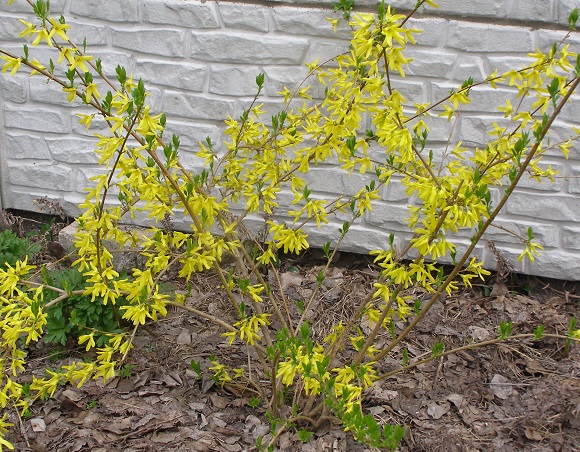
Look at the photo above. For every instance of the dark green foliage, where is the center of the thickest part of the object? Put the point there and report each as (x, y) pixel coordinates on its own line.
(14, 248)
(76, 314)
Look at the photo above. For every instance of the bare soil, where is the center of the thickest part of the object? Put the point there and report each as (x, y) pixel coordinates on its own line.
(516, 396)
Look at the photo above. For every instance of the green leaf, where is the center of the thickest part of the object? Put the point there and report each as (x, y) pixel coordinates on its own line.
(304, 435)
(345, 6)
(437, 349)
(505, 329)
(196, 366)
(351, 144)
(554, 90)
(382, 10)
(320, 277)
(540, 127)
(305, 330)
(417, 307)
(260, 80)
(41, 9)
(121, 75)
(572, 326)
(466, 85)
(300, 306)
(326, 250)
(573, 19)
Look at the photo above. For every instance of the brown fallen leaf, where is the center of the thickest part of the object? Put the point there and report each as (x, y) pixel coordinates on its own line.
(74, 396)
(290, 279)
(184, 337)
(170, 381)
(37, 424)
(500, 387)
(119, 427)
(533, 434)
(218, 402)
(436, 411)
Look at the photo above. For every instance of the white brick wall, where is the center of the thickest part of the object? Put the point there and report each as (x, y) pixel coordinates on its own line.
(200, 58)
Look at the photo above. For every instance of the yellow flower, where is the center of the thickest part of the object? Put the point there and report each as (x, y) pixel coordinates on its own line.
(79, 61)
(89, 339)
(268, 256)
(530, 251)
(149, 124)
(40, 35)
(117, 122)
(69, 54)
(137, 314)
(220, 373)
(334, 22)
(39, 67)
(86, 119)
(286, 370)
(59, 29)
(91, 90)
(291, 240)
(28, 31)
(254, 292)
(72, 93)
(11, 63)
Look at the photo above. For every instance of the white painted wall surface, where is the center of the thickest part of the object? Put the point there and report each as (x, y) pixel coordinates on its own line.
(200, 59)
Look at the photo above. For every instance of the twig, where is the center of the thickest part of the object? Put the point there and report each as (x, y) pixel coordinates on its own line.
(22, 428)
(146, 429)
(470, 347)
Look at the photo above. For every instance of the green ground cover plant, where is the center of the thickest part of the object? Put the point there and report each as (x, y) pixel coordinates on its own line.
(73, 315)
(14, 248)
(301, 379)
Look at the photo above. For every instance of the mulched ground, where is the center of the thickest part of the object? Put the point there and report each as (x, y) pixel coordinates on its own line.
(516, 396)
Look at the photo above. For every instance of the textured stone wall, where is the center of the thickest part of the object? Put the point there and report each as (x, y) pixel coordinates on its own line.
(200, 59)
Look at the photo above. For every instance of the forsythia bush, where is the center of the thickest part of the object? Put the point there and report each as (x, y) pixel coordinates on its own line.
(262, 159)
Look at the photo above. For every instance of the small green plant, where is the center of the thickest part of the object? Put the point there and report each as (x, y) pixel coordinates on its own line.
(74, 314)
(505, 329)
(304, 435)
(91, 404)
(126, 370)
(196, 367)
(14, 248)
(437, 349)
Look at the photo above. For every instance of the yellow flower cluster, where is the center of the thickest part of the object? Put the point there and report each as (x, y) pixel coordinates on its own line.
(302, 361)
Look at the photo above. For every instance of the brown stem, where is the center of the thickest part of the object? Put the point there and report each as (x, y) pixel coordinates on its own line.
(469, 347)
